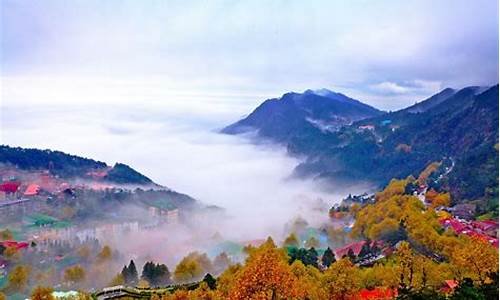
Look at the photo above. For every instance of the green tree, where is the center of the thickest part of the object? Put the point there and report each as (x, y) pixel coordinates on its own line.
(210, 281)
(328, 258)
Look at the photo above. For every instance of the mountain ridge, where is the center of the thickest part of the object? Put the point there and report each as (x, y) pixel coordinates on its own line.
(452, 123)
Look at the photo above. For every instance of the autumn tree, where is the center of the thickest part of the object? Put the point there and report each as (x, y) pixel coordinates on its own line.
(291, 241)
(308, 281)
(438, 199)
(18, 278)
(395, 187)
(75, 274)
(117, 280)
(105, 254)
(312, 242)
(266, 275)
(225, 281)
(42, 293)
(221, 262)
(476, 259)
(6, 234)
(431, 168)
(341, 280)
(2, 296)
(188, 270)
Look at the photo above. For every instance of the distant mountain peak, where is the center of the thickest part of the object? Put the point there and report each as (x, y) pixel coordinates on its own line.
(302, 113)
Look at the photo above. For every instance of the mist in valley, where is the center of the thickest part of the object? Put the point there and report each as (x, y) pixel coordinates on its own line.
(174, 140)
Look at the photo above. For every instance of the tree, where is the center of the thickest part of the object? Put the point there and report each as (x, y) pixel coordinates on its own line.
(328, 258)
(350, 255)
(130, 275)
(312, 242)
(188, 270)
(476, 259)
(342, 279)
(292, 241)
(117, 280)
(156, 275)
(311, 257)
(266, 275)
(105, 254)
(74, 274)
(6, 234)
(365, 249)
(2, 296)
(210, 281)
(42, 293)
(18, 278)
(221, 262)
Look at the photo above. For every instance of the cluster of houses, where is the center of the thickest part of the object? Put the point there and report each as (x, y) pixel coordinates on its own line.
(169, 216)
(486, 230)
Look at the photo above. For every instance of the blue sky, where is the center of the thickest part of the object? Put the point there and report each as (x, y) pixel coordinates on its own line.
(386, 53)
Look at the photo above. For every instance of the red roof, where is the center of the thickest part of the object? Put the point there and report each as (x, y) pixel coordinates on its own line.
(461, 228)
(10, 187)
(485, 225)
(356, 248)
(14, 244)
(32, 190)
(377, 293)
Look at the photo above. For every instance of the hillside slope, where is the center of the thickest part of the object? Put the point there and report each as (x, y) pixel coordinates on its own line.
(70, 166)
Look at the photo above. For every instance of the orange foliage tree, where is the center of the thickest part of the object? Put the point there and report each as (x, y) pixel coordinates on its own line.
(266, 275)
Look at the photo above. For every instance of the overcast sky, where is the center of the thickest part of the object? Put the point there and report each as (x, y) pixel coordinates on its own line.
(386, 53)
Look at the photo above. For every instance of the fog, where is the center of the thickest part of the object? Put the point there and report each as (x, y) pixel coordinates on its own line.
(176, 144)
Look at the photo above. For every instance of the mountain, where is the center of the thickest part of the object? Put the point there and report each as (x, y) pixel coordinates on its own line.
(70, 166)
(430, 102)
(302, 115)
(461, 126)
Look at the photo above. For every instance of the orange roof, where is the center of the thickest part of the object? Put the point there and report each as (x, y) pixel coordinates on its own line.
(32, 190)
(451, 283)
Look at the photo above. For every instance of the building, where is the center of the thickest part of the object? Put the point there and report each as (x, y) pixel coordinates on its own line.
(366, 127)
(32, 190)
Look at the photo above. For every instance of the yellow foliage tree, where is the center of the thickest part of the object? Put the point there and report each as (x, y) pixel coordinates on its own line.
(395, 187)
(475, 259)
(431, 168)
(74, 274)
(291, 241)
(105, 254)
(438, 199)
(341, 280)
(188, 270)
(42, 293)
(18, 278)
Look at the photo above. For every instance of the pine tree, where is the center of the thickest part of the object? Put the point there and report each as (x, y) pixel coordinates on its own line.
(133, 276)
(328, 257)
(311, 257)
(210, 281)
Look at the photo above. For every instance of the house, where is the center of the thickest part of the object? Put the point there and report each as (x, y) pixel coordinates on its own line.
(355, 247)
(10, 187)
(464, 211)
(488, 227)
(366, 127)
(14, 244)
(32, 190)
(386, 122)
(449, 286)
